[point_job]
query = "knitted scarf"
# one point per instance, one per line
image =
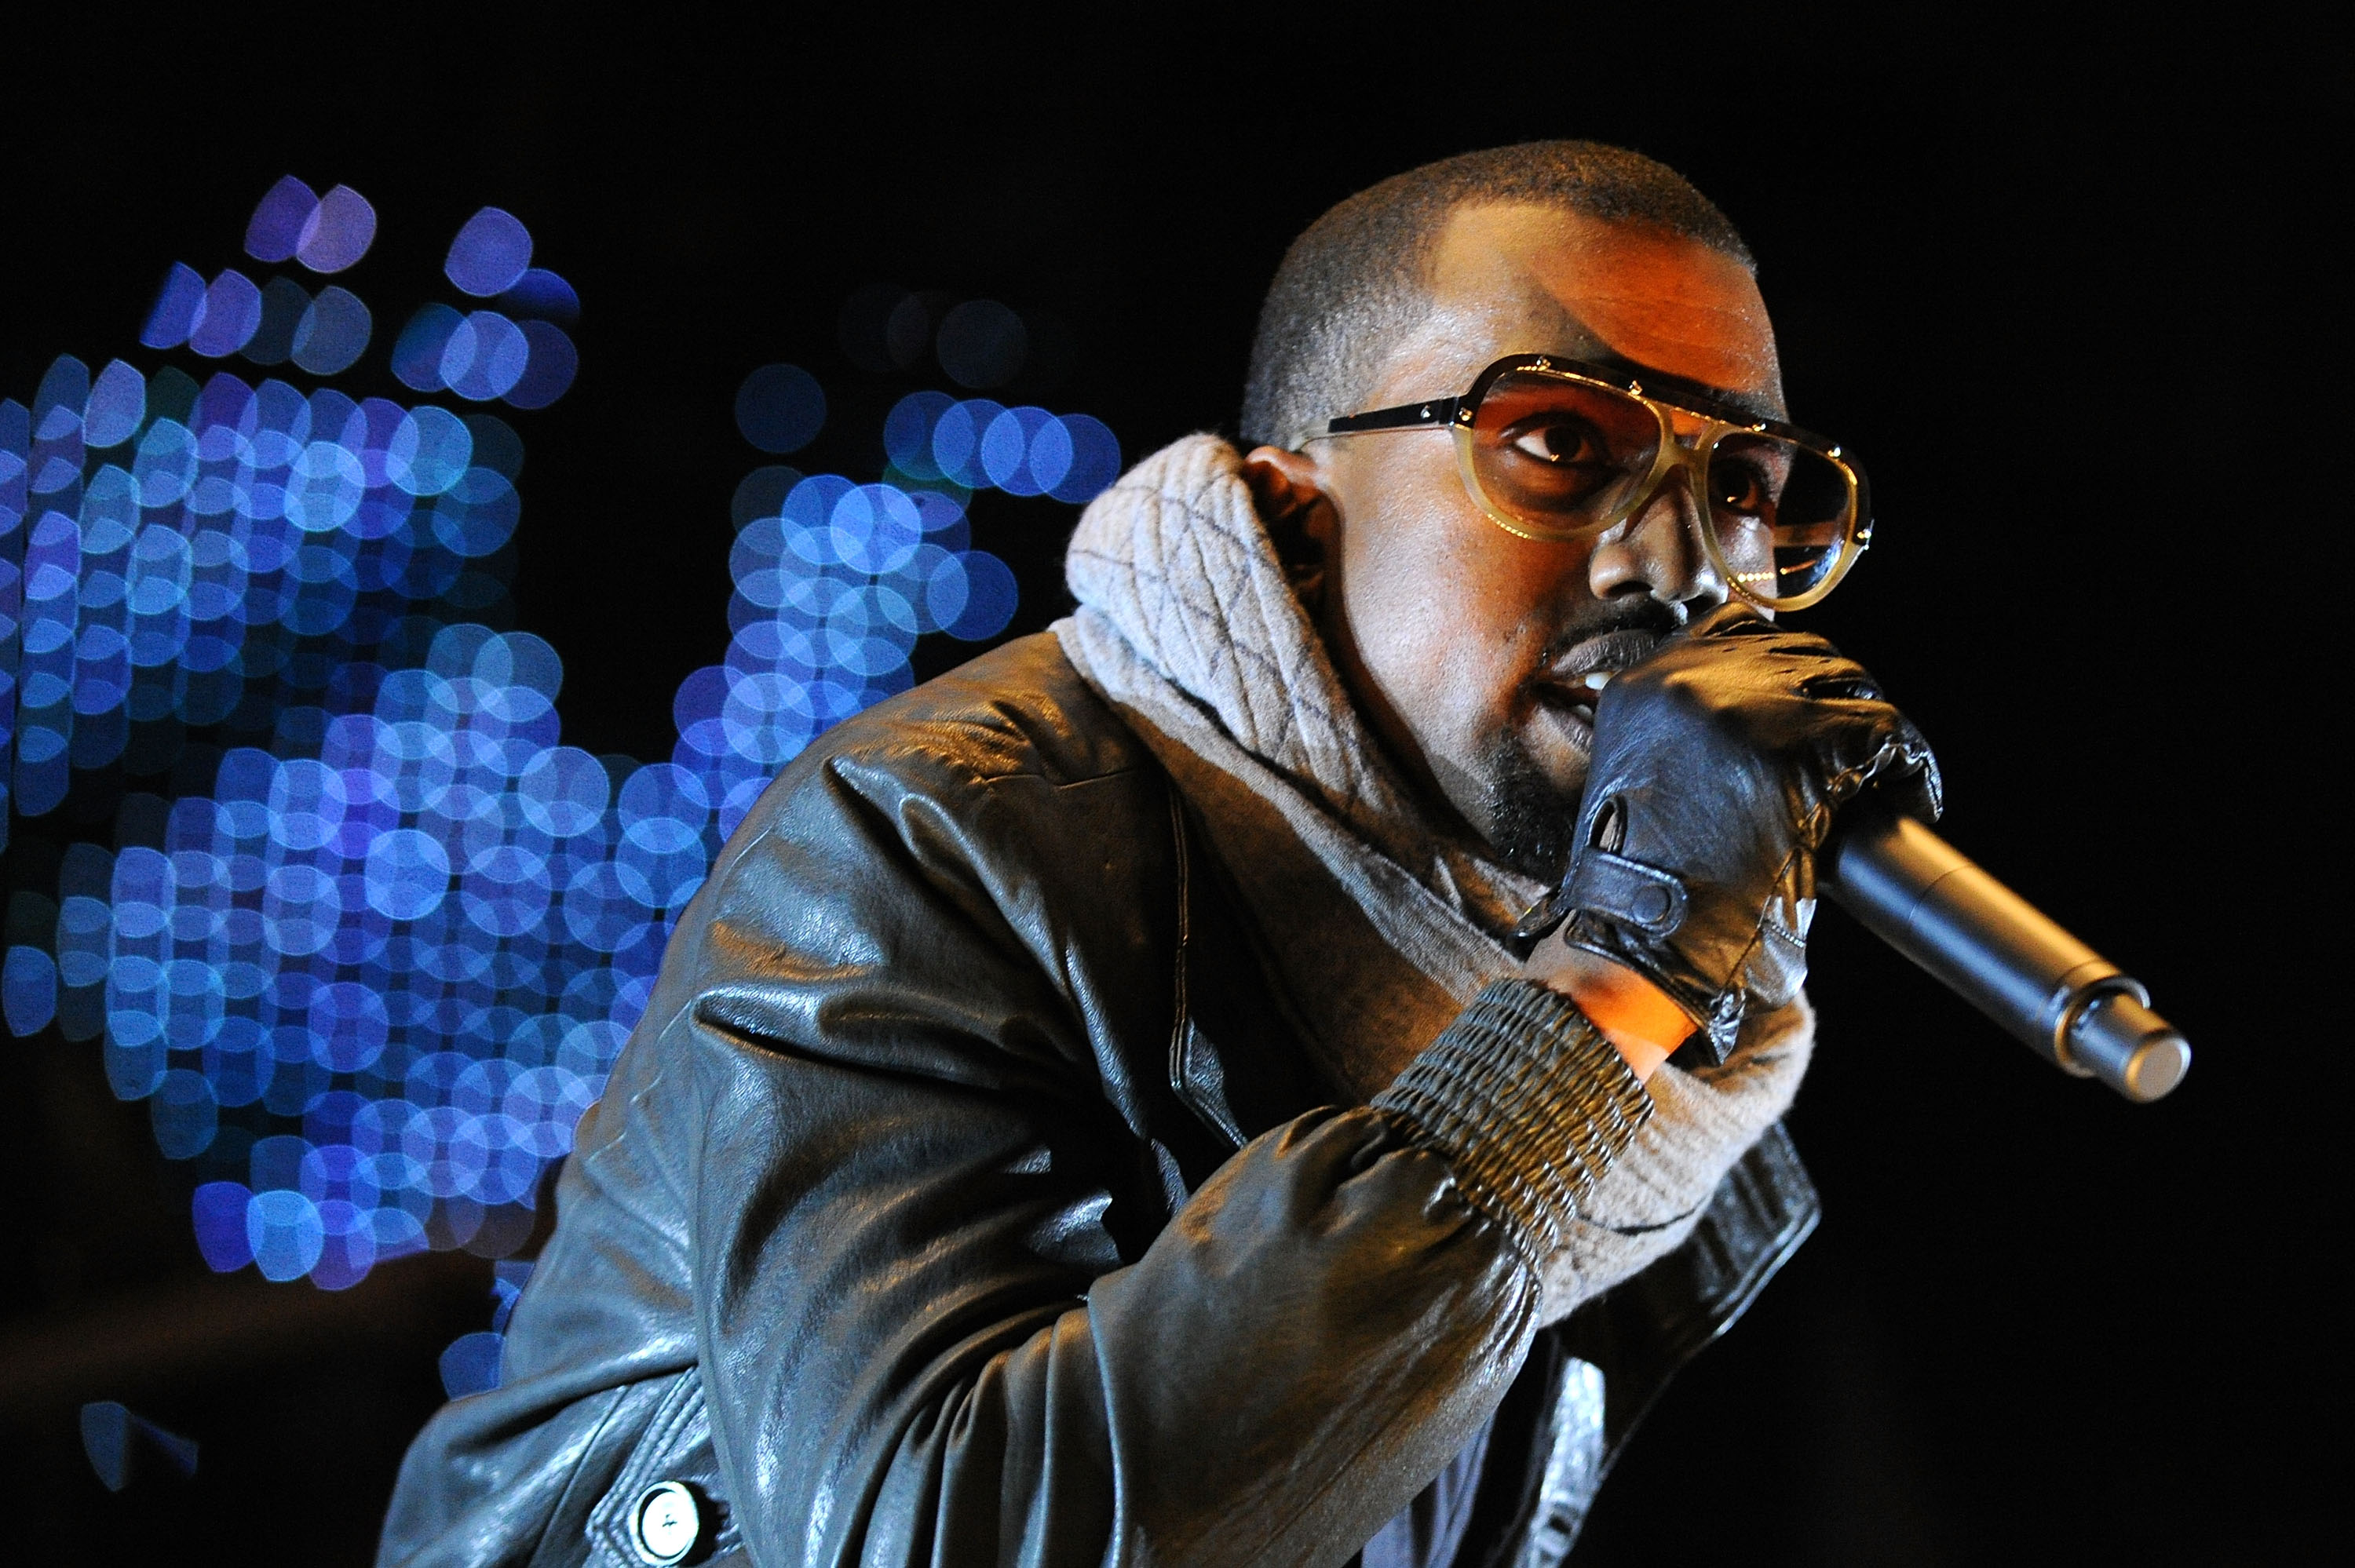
(1381, 925)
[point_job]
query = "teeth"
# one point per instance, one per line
(1597, 679)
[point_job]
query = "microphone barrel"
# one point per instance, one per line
(1988, 945)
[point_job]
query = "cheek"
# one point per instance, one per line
(1448, 610)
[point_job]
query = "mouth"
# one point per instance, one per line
(1572, 686)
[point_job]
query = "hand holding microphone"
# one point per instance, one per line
(1723, 770)
(1718, 763)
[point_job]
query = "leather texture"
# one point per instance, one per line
(966, 1196)
(1719, 763)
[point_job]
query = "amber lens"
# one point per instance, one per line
(1559, 456)
(1782, 514)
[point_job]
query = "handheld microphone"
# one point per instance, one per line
(1983, 942)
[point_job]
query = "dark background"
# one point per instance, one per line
(2058, 284)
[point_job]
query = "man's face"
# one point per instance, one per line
(1464, 646)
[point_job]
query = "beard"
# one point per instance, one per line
(1534, 816)
(1533, 819)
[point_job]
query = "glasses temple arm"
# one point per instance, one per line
(1405, 417)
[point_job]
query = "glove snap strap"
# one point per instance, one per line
(1626, 892)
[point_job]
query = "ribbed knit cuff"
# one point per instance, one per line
(1530, 1104)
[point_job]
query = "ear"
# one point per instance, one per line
(1302, 521)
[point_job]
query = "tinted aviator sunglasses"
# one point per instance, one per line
(1555, 449)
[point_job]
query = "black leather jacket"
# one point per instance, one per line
(964, 1198)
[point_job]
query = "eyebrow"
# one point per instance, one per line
(1652, 377)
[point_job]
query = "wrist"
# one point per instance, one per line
(1641, 1020)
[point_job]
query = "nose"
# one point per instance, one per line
(1657, 552)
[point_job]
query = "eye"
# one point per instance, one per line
(1558, 440)
(1739, 489)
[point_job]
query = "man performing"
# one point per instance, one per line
(1192, 1086)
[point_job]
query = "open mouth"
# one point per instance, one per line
(1593, 681)
(1574, 702)
(1573, 685)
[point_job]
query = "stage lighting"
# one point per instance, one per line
(370, 971)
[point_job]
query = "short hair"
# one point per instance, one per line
(1356, 280)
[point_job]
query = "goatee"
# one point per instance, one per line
(1534, 820)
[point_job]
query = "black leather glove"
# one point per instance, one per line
(1718, 765)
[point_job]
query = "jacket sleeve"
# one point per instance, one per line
(904, 1179)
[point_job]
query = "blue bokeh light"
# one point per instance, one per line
(276, 227)
(283, 1232)
(417, 354)
(541, 295)
(219, 1211)
(28, 989)
(430, 451)
(978, 444)
(332, 333)
(485, 356)
(177, 303)
(471, 1364)
(231, 314)
(116, 409)
(368, 977)
(835, 582)
(551, 363)
(337, 232)
(490, 254)
(461, 867)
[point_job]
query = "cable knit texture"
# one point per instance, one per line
(1382, 927)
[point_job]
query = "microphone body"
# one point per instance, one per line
(2072, 1006)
